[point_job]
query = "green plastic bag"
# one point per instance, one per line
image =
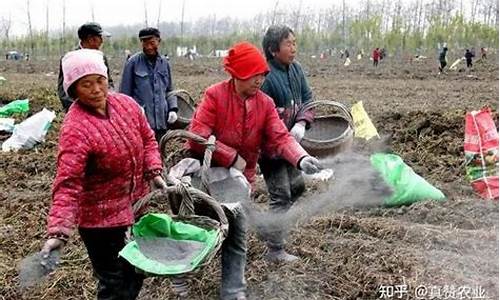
(155, 226)
(14, 107)
(408, 186)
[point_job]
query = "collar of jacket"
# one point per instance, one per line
(276, 64)
(158, 56)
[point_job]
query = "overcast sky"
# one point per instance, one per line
(114, 12)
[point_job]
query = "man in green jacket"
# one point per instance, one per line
(287, 86)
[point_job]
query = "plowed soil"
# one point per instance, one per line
(449, 246)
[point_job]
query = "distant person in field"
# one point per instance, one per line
(383, 53)
(468, 58)
(147, 78)
(346, 52)
(91, 37)
(483, 53)
(287, 85)
(442, 59)
(376, 56)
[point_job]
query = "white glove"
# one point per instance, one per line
(298, 130)
(172, 117)
(310, 165)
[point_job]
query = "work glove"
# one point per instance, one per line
(239, 163)
(298, 130)
(172, 117)
(310, 165)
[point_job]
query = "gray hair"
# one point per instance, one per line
(273, 37)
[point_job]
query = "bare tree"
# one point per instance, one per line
(275, 10)
(182, 18)
(297, 16)
(5, 26)
(63, 37)
(92, 10)
(47, 26)
(159, 14)
(474, 6)
(343, 23)
(30, 28)
(145, 14)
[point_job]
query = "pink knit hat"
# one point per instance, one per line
(80, 63)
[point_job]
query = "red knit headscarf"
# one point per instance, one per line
(244, 60)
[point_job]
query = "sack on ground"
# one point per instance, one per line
(30, 132)
(481, 153)
(408, 186)
(15, 107)
(363, 126)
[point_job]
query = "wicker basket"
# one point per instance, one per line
(190, 205)
(331, 132)
(185, 105)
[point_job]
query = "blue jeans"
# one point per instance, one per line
(234, 256)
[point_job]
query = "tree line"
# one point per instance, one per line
(416, 26)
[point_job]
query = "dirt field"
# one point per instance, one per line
(450, 246)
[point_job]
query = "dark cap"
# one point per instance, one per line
(149, 32)
(91, 29)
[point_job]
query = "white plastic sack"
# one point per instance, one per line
(228, 185)
(7, 124)
(30, 132)
(185, 167)
(455, 64)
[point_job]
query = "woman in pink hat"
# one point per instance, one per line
(107, 157)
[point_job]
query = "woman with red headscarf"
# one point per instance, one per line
(244, 121)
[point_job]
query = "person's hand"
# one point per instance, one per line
(240, 163)
(298, 130)
(50, 259)
(172, 117)
(159, 183)
(310, 165)
(50, 245)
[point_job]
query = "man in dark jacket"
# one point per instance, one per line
(147, 78)
(287, 86)
(468, 57)
(91, 37)
(442, 59)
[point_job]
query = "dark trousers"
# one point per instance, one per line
(375, 62)
(442, 64)
(117, 278)
(469, 63)
(159, 133)
(284, 184)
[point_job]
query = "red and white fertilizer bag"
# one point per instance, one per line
(481, 153)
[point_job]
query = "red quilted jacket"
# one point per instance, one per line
(102, 166)
(242, 127)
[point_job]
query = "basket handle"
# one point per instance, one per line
(342, 107)
(207, 157)
(195, 196)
